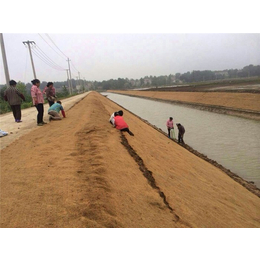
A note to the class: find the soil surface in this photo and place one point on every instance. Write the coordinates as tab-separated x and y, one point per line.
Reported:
82	172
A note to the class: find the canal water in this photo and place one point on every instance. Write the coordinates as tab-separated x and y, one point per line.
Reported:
231	141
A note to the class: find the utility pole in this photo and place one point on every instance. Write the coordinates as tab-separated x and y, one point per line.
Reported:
29	46
79	79
84	84
68	80
7	77
77	84
70	76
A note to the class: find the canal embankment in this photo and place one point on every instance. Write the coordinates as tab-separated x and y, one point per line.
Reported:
96	176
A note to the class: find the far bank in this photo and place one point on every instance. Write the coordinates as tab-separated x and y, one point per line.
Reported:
246	105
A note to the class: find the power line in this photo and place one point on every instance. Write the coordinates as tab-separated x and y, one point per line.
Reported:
50	46
74	66
45	60
56	45
49	60
60	50
68	60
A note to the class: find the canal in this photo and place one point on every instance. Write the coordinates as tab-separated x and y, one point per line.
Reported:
231	141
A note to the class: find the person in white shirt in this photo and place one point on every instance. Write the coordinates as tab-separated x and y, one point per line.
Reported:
111	120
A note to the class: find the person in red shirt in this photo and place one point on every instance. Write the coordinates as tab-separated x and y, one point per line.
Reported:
120	123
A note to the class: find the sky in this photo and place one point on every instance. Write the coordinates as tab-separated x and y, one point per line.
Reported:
132	42
112	55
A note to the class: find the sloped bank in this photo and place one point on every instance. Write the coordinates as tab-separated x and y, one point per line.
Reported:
248	185
92	180
237	104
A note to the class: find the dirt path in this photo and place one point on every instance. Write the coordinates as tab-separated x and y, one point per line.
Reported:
29	115
81	172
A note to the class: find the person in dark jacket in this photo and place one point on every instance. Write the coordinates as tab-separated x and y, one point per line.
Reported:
181	133
50	94
14	97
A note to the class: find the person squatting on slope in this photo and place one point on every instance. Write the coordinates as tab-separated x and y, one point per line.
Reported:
169	125
181	133
120	123
54	111
112	120
14	97
37	98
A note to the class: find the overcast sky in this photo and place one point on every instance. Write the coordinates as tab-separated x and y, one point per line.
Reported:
109	51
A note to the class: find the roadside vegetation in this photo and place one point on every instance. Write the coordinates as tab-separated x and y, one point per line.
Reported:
4	106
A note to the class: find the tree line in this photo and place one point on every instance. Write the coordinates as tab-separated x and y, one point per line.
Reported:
125	83
178	78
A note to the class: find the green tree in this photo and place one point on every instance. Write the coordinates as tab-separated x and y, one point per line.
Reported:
64	91
22	88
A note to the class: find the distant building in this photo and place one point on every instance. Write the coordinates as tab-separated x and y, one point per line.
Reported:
221	74
147	81
173	79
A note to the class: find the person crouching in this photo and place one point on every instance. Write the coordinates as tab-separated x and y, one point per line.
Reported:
120	123
54	111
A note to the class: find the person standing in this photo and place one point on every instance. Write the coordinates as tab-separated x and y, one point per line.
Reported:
37	98
181	133
54	111
170	126
120	123
14	97
50	93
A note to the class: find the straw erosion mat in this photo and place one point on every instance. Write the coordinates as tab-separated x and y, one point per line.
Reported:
82	172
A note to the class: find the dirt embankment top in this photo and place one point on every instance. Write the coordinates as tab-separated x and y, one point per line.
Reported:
242	86
82	172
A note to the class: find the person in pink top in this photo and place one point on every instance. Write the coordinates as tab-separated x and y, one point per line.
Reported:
38	101
169	125
120	123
